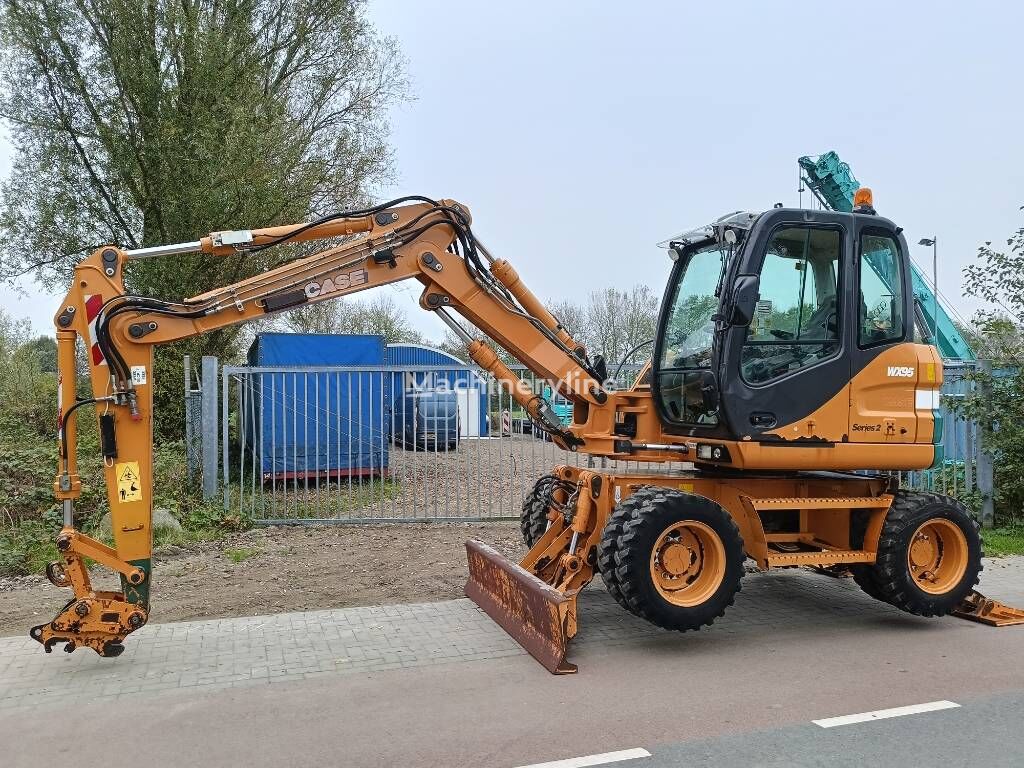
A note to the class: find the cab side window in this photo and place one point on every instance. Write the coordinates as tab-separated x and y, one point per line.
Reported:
796	320
881	291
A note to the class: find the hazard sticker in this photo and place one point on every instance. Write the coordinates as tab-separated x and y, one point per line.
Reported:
129	485
138	374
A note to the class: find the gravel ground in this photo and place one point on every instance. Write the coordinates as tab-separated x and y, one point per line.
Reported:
287	569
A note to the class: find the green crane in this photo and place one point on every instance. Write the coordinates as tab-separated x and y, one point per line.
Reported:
830	180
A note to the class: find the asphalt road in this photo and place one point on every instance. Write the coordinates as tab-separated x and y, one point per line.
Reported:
743	698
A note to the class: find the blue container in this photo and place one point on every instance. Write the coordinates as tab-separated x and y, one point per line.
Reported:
304	423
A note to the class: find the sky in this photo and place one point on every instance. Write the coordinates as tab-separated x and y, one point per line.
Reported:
580	134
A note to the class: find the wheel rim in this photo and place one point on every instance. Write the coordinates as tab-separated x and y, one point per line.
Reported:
937	556
688	563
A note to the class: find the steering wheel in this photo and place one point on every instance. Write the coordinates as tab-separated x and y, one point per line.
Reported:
780	334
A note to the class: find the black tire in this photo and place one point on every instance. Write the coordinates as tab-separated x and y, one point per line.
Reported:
609	543
863	573
891	575
863	577
654	515
533	519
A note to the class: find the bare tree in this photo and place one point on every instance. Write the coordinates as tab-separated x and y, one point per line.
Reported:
382	316
573	318
617	321
639	318
324	317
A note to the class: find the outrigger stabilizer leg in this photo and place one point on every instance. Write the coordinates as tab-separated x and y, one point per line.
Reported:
977	607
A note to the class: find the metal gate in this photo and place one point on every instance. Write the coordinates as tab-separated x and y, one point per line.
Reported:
372	444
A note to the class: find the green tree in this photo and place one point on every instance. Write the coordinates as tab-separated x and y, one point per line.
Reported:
28	386
44	350
145	123
997	276
997	402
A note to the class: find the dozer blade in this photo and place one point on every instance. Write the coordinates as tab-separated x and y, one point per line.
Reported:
977	607
535	614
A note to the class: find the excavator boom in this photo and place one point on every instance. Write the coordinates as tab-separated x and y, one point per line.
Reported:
410	238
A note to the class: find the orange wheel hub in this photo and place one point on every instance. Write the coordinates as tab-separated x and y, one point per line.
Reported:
688	563
937	556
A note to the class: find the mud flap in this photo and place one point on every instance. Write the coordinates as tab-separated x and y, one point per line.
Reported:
535	614
977	607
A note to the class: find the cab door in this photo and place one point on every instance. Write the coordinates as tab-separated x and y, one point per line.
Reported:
787	373
888	369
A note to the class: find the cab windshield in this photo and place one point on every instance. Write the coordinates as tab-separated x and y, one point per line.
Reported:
689	334
689	331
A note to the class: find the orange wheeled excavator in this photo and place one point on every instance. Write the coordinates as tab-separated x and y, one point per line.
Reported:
784	369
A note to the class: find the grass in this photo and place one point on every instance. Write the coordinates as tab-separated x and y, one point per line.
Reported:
171	537
1005	540
26	548
294	501
240	554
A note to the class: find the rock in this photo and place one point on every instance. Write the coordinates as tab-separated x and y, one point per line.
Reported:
162	520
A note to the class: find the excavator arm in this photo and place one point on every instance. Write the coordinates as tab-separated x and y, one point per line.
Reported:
411	238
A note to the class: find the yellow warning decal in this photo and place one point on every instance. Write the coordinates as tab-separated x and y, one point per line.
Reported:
129	486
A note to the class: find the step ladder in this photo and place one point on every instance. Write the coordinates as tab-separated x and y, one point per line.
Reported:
807	547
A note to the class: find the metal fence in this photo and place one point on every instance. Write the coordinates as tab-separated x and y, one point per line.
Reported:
381	443
368	444
966	470
193	421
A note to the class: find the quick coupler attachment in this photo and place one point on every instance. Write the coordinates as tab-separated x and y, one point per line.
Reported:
100	621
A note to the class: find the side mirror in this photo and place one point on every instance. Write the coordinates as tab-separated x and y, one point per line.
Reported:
709	391
745	294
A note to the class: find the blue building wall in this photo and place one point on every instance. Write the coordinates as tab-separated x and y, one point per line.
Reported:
449	372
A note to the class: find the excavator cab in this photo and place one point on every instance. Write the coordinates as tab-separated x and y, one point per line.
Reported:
773	324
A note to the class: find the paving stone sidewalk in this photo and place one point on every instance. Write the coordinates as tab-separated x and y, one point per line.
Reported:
222	653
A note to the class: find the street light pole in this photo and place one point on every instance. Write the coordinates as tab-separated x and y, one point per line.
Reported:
934	243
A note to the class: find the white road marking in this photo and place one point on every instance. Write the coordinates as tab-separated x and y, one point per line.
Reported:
603	759
882	714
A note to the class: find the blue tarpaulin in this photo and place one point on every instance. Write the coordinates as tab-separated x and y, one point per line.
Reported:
303	349
303	423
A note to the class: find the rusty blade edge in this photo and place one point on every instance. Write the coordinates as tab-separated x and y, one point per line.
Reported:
531	612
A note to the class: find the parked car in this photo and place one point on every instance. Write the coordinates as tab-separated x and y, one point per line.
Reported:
427	420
